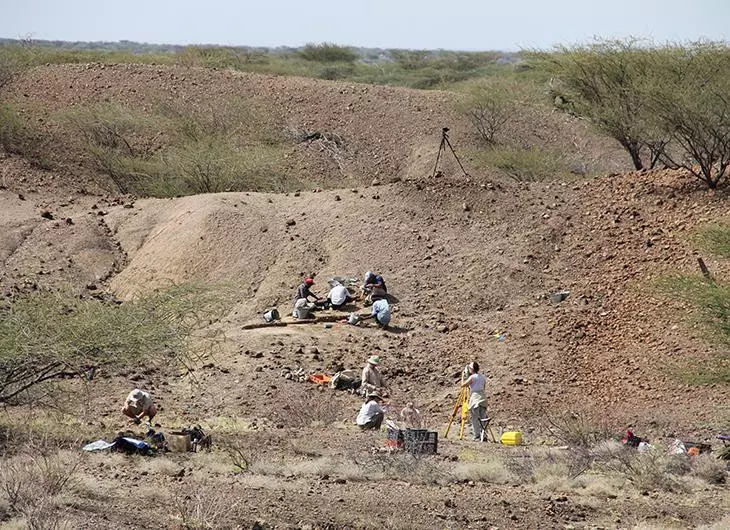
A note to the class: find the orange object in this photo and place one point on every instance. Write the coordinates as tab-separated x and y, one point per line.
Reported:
693	451
320	379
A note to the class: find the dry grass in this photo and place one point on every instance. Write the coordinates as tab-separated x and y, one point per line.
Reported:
710	469
493	471
202	506
31	484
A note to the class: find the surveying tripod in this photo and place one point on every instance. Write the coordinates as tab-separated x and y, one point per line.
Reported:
442	148
462	402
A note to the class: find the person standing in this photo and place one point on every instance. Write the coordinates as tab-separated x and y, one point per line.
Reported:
477	384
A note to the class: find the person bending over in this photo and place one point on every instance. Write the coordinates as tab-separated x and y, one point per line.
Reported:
371	413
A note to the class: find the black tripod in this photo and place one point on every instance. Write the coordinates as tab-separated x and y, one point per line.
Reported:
442	147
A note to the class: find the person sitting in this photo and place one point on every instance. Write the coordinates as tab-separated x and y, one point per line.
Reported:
372	379
375	286
371	413
381	313
410	416
339	296
301	303
138	405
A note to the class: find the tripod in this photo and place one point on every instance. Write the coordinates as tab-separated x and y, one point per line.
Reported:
462	403
442	148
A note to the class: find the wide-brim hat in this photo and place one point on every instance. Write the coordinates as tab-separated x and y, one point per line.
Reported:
374	359
375	395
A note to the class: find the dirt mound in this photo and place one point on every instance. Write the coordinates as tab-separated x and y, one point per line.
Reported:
346	134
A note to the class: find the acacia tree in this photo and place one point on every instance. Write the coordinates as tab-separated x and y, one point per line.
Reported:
690	100
489	106
605	83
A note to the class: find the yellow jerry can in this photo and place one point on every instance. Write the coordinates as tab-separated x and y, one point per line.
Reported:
511	438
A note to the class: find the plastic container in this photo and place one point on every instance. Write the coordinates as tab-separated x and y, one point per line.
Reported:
395	438
179	442
511	438
320	379
420	441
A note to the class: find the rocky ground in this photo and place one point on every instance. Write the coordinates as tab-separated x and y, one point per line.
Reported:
470	259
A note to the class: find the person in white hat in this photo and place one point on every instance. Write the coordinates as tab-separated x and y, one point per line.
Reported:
138	405
371	413
371	380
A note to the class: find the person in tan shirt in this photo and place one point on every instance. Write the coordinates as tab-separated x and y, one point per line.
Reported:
372	380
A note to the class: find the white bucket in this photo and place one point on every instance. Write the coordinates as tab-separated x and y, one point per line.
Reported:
303	312
271	315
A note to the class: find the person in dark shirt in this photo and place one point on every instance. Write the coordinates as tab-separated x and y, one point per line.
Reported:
301	297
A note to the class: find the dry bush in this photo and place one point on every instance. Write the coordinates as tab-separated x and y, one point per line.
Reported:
162	466
492	471
310	411
31	483
537	465
202	506
722	524
654	470
574	429
710	469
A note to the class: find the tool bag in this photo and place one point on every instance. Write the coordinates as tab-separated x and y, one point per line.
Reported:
345	380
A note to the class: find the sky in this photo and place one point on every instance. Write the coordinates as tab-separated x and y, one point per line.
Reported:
507	25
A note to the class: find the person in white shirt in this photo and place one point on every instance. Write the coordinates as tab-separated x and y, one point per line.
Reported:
138	405
476	383
339	296
371	413
381	313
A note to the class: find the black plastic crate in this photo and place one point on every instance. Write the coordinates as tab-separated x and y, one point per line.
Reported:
395	438
420	441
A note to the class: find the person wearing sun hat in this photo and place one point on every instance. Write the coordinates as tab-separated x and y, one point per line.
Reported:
301	304
372	380
371	413
138	405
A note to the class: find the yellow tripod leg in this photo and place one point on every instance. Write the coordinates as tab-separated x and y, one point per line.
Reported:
453	416
464	411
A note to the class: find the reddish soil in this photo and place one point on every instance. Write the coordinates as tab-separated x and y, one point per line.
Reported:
467	257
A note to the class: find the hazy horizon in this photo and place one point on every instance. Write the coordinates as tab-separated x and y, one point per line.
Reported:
469	25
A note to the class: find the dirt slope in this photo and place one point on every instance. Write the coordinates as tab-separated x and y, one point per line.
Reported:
386	132
476	255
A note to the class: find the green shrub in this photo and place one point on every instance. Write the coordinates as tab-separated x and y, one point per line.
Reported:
715	239
525	164
712	309
328	53
206	149
44	336
18	136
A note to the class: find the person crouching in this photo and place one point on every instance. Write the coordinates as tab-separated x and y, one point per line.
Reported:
138	405
371	413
